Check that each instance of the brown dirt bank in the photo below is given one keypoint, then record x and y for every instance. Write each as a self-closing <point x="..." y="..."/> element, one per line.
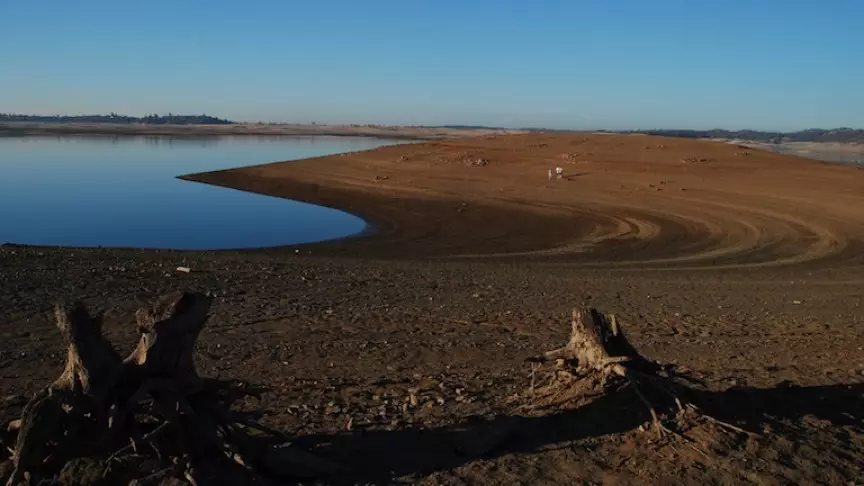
<point x="625" y="200"/>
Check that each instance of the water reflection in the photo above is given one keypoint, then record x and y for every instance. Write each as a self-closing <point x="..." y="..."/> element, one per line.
<point x="122" y="191"/>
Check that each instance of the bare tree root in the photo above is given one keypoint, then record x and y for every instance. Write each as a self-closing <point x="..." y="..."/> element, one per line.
<point x="153" y="403"/>
<point x="598" y="359"/>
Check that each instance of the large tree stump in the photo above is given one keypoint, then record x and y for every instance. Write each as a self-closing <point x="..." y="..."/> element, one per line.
<point x="598" y="359"/>
<point x="597" y="343"/>
<point x="92" y="409"/>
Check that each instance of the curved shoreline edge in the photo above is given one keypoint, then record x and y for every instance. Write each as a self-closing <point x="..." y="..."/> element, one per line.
<point x="625" y="200"/>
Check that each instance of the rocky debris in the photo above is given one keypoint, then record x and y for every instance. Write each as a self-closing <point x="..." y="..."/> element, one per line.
<point x="696" y="160"/>
<point x="477" y="162"/>
<point x="469" y="159"/>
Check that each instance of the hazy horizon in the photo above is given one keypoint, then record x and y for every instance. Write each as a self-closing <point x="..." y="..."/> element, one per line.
<point x="775" y="65"/>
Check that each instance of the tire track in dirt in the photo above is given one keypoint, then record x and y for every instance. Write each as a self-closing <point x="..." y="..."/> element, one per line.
<point x="703" y="235"/>
<point x="716" y="236"/>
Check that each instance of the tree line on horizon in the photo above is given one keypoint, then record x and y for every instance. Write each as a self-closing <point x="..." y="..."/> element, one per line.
<point x="839" y="135"/>
<point x="169" y="119"/>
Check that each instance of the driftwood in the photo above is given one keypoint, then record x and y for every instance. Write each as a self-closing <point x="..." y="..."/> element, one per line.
<point x="152" y="403"/>
<point x="599" y="359"/>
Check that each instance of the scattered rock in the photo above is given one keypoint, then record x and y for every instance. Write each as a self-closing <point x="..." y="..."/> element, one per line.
<point x="184" y="269"/>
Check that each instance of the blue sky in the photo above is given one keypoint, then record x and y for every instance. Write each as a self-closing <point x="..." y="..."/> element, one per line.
<point x="765" y="64"/>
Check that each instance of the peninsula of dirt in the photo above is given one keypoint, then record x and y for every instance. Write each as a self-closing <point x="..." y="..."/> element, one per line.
<point x="621" y="201"/>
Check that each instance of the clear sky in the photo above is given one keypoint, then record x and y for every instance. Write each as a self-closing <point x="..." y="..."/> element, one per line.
<point x="764" y="64"/>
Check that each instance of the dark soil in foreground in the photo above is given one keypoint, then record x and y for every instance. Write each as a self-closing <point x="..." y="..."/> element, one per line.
<point x="339" y="341"/>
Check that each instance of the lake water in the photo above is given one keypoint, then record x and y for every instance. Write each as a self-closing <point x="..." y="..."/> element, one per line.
<point x="123" y="192"/>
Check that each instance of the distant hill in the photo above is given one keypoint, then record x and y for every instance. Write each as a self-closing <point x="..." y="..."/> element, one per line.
<point x="842" y="135"/>
<point x="169" y="119"/>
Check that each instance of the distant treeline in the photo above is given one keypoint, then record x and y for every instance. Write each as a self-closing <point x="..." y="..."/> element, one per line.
<point x="843" y="135"/>
<point x="169" y="119"/>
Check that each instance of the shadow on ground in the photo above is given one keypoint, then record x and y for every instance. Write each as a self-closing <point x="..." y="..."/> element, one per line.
<point x="382" y="457"/>
<point x="378" y="457"/>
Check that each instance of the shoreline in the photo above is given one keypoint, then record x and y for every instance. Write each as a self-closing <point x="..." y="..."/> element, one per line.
<point x="241" y="129"/>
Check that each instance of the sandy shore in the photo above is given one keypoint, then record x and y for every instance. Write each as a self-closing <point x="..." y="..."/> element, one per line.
<point x="741" y="267"/>
<point x="624" y="201"/>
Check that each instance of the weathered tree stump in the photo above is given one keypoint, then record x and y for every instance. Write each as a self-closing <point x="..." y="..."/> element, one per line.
<point x="77" y="397"/>
<point x="600" y="359"/>
<point x="169" y="330"/>
<point x="92" y="410"/>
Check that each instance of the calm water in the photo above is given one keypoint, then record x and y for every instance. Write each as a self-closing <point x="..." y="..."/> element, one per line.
<point x="122" y="192"/>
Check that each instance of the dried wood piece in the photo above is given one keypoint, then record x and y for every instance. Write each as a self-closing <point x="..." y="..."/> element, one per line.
<point x="91" y="363"/>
